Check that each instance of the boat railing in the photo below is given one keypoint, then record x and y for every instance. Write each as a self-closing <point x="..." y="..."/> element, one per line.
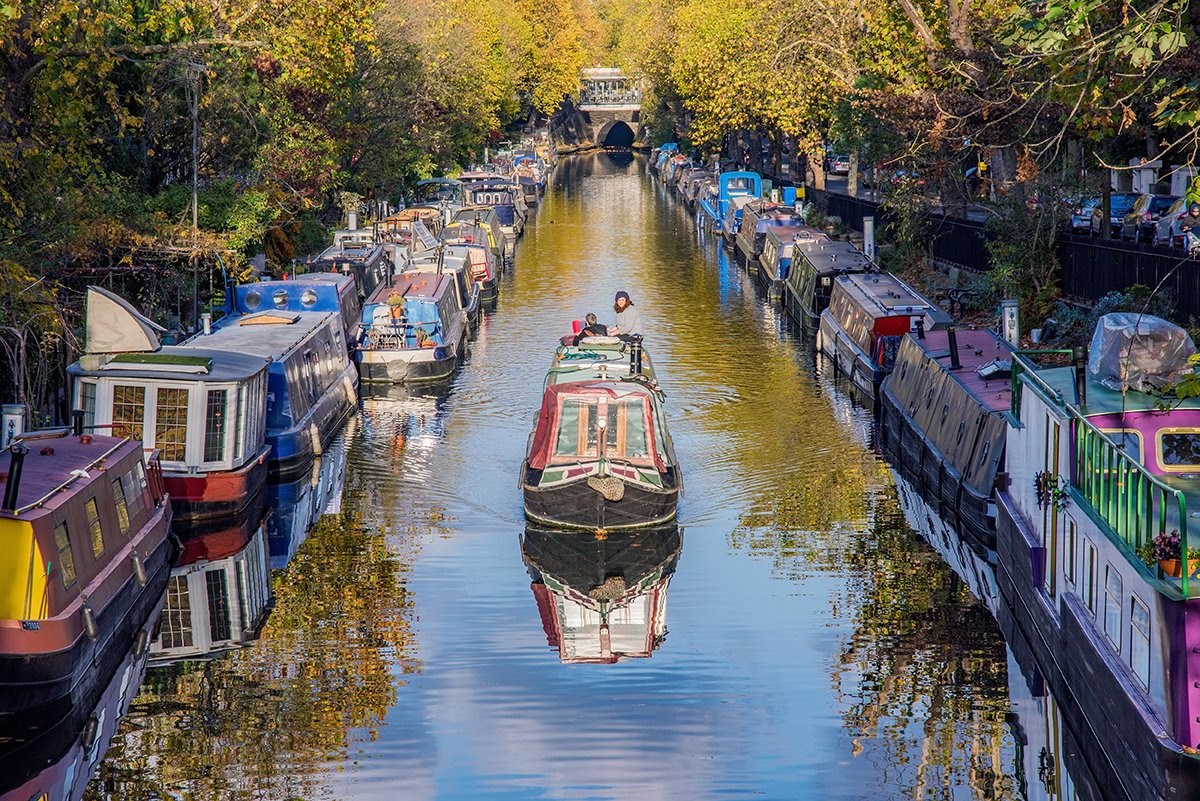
<point x="154" y="475"/>
<point x="1025" y="371"/>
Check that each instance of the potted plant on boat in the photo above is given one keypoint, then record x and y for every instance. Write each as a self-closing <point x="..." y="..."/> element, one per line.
<point x="1165" y="550"/>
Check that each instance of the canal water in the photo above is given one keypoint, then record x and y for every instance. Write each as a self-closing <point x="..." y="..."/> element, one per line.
<point x="811" y="646"/>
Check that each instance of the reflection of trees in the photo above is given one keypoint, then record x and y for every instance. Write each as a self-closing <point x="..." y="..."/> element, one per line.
<point x="264" y="722"/>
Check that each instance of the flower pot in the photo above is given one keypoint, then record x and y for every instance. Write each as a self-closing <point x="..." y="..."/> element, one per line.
<point x="1170" y="567"/>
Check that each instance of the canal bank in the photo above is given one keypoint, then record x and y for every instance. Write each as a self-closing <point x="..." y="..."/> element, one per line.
<point x="813" y="645"/>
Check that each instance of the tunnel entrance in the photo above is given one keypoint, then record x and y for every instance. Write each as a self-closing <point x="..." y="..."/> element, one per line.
<point x="616" y="134"/>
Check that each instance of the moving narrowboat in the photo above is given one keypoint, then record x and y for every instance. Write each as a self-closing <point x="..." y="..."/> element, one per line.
<point x="815" y="263"/>
<point x="729" y="185"/>
<point x="323" y="292"/>
<point x="202" y="410"/>
<point x="775" y="261"/>
<point x="413" y="329"/>
<point x="602" y="599"/>
<point x="86" y="524"/>
<point x="757" y="218"/>
<point x="868" y="315"/>
<point x="219" y="592"/>
<point x="600" y="456"/>
<point x="942" y="422"/>
<point x="1096" y="548"/>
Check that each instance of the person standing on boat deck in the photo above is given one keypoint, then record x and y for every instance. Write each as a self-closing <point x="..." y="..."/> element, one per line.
<point x="592" y="329"/>
<point x="629" y="321"/>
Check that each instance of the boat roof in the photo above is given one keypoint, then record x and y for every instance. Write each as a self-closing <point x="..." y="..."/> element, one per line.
<point x="270" y="334"/>
<point x="429" y="181"/>
<point x="726" y="177"/>
<point x="740" y="201"/>
<point x="411" y="285"/>
<point x="977" y="348"/>
<point x="884" y="295"/>
<point x="795" y="233"/>
<point x="582" y="362"/>
<point x="467" y="213"/>
<point x="412" y="213"/>
<point x="1103" y="400"/>
<point x="48" y="474"/>
<point x="468" y="233"/>
<point x="181" y="363"/>
<point x="829" y="257"/>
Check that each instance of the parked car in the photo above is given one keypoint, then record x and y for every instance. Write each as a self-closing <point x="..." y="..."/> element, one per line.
<point x="839" y="165"/>
<point x="1081" y="215"/>
<point x="1140" y="221"/>
<point x="1167" y="232"/>
<point x="1119" y="205"/>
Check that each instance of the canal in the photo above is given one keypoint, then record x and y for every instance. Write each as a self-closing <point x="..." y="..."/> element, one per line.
<point x="810" y="645"/>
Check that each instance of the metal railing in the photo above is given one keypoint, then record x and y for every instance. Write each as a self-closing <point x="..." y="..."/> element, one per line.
<point x="597" y="96"/>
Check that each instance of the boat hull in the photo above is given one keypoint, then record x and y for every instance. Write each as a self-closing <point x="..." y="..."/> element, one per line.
<point x="206" y="496"/>
<point x="293" y="449"/>
<point x="575" y="505"/>
<point x="405" y="367"/>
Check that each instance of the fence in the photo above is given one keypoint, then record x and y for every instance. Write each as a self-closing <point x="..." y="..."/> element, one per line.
<point x="1091" y="268"/>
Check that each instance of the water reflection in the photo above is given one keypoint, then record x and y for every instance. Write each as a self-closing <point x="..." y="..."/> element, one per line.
<point x="297" y="505"/>
<point x="602" y="598"/>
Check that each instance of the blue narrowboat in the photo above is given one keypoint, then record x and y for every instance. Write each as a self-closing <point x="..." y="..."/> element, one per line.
<point x="413" y="329"/>
<point x="661" y="154"/>
<point x="729" y="186"/>
<point x="324" y="292"/>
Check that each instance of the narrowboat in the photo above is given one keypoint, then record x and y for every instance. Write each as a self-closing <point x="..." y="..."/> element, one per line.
<point x="484" y="217"/>
<point x="602" y="599"/>
<point x="942" y="422"/>
<point x="694" y="188"/>
<point x="732" y="221"/>
<point x="312" y="385"/>
<point x="529" y="170"/>
<point x="296" y="506"/>
<point x="729" y="185"/>
<point x="202" y="410"/>
<point x="356" y="252"/>
<point x="757" y="218"/>
<point x="219" y="593"/>
<point x="815" y="263"/>
<point x="461" y="263"/>
<point x="413" y="329"/>
<point x="506" y="199"/>
<point x="600" y="456"/>
<point x="445" y="194"/>
<point x="775" y="261"/>
<point x="1096" y="551"/>
<point x="659" y="156"/>
<point x="323" y="292"/>
<point x="868" y="315"/>
<point x="86" y="524"/>
<point x="672" y="168"/>
<point x="408" y="232"/>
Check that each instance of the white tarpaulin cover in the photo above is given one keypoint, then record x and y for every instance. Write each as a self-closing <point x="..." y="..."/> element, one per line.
<point x="1139" y="352"/>
<point x="114" y="326"/>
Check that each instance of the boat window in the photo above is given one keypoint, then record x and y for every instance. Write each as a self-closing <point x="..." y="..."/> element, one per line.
<point x="1070" y="548"/>
<point x="95" y="529"/>
<point x="280" y="298"/>
<point x="1088" y="590"/>
<point x="170" y="423"/>
<point x="66" y="559"/>
<point x="1139" y="640"/>
<point x="577" y="427"/>
<point x="308" y="298"/>
<point x="1179" y="448"/>
<point x="132" y="493"/>
<point x="214" y="426"/>
<point x="624" y="433"/>
<point x="239" y="416"/>
<point x="1112" y="606"/>
<point x="122" y="506"/>
<point x="129" y="411"/>
<point x="143" y="485"/>
<point x="176" y="631"/>
<point x="87" y="402"/>
<point x="253" y="299"/>
<point x="1128" y="440"/>
<point x="219" y="623"/>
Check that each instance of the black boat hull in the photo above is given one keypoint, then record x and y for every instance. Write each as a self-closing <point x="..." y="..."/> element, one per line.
<point x="575" y="505"/>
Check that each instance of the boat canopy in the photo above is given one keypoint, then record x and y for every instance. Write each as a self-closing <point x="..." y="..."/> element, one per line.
<point x="577" y="419"/>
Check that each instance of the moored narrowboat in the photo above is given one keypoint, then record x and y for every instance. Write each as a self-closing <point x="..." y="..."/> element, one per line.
<point x="602" y="599"/>
<point x="86" y="524"/>
<point x="445" y="194"/>
<point x="775" y="261"/>
<point x="201" y="409"/>
<point x="599" y="455"/>
<point x="356" y="252"/>
<point x="486" y="219"/>
<point x="460" y="263"/>
<point x="731" y="223"/>
<point x="757" y="218"/>
<point x="413" y="329"/>
<point x="307" y="292"/>
<point x="942" y="422"/>
<point x="815" y="263"/>
<point x="729" y="185"/>
<point x="868" y="315"/>
<point x="1096" y="548"/>
<point x="505" y="198"/>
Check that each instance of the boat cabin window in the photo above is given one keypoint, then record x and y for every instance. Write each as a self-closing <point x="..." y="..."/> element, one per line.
<point x="176" y="631"/>
<point x="1179" y="448"/>
<point x="66" y="560"/>
<point x="1128" y="440"/>
<point x="214" y="426"/>
<point x="95" y="529"/>
<point x="280" y="298"/>
<point x="253" y="299"/>
<point x="87" y="402"/>
<point x="219" y="623"/>
<point x="170" y="423"/>
<point x="1112" y="606"/>
<point x="131" y="491"/>
<point x="122" y="506"/>
<point x="143" y="485"/>
<point x="1139" y="640"/>
<point x="129" y="410"/>
<point x="308" y="298"/>
<point x="610" y="427"/>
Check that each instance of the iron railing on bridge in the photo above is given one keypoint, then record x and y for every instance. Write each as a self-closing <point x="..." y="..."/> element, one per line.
<point x="592" y="95"/>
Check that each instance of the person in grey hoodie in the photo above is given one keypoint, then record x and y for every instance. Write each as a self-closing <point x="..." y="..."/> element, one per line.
<point x="628" y="322"/>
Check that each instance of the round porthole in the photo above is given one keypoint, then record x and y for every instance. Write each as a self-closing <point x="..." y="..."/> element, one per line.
<point x="280" y="297"/>
<point x="308" y="298"/>
<point x="253" y="300"/>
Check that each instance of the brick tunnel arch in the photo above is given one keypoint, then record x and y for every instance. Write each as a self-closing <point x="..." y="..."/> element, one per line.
<point x="615" y="133"/>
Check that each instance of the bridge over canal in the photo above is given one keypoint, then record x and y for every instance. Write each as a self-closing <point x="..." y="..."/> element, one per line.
<point x="608" y="114"/>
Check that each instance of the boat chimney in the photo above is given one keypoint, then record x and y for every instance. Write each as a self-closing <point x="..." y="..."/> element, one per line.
<point x="206" y="318"/>
<point x="13" y="415"/>
<point x="635" y="356"/>
<point x="920" y="328"/>
<point x="1079" y="359"/>
<point x="77" y="422"/>
<point x="13" y="485"/>
<point x="352" y="220"/>
<point x="952" y="343"/>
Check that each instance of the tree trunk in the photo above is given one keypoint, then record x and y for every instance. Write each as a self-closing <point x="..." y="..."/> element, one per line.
<point x="852" y="176"/>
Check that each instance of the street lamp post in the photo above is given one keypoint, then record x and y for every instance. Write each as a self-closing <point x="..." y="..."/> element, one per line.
<point x="194" y="72"/>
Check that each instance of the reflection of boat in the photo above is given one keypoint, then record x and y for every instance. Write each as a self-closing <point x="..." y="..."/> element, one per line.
<point x="297" y="505"/>
<point x="85" y="525"/>
<point x="50" y="753"/>
<point x="600" y="456"/>
<point x="219" y="591"/>
<point x="602" y="598"/>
